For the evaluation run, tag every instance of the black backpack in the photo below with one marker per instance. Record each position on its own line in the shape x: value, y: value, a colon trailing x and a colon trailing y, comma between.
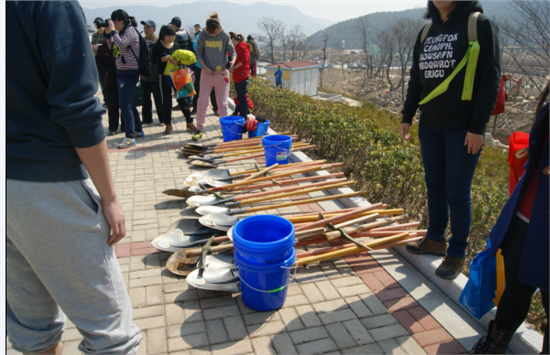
x: 144, y: 61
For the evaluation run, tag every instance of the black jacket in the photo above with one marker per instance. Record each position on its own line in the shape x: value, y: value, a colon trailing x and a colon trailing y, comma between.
x: 434, y: 60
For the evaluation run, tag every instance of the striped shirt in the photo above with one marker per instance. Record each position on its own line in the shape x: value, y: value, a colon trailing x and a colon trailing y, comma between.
x: 129, y: 38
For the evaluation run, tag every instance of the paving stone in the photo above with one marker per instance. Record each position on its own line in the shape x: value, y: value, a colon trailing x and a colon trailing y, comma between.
x: 149, y: 323
x: 424, y: 318
x: 242, y: 307
x: 410, y: 346
x: 391, y: 346
x: 147, y: 312
x: 400, y: 304
x: 374, y: 304
x: 69, y: 348
x: 145, y: 281
x: 358, y: 332
x: 271, y: 328
x: 317, y: 347
x: 176, y: 287
x: 283, y: 344
x: 291, y: 319
x: 386, y: 279
x: 216, y: 331
x: 71, y: 334
x: 312, y: 293
x: 328, y: 291
x: 307, y: 335
x: 365, y: 349
x: 449, y: 347
x: 346, y: 281
x: 311, y: 274
x: 379, y: 321
x: 261, y: 317
x: 407, y: 321
x: 354, y: 290
x: 358, y: 307
x: 293, y: 301
x: 206, y: 293
x: 217, y: 302
x: 174, y: 313
x: 144, y: 273
x: 156, y: 342
x: 262, y: 345
x: 372, y: 282
x: 233, y: 348
x: 181, y: 297
x: 337, y: 316
x: 388, y: 332
x: 235, y: 327
x: 184, y: 329
x: 136, y: 263
x: 340, y: 336
x: 330, y: 306
x: 391, y: 294
x: 330, y: 270
x: 154, y: 295
x: 187, y: 342
x: 294, y: 289
x: 432, y: 337
x: 308, y: 316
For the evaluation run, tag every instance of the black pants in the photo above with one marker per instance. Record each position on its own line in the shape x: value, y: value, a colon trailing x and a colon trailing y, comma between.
x: 166, y: 114
x: 148, y: 88
x: 515, y: 301
x: 242, y: 108
x: 113, y: 111
x: 197, y: 85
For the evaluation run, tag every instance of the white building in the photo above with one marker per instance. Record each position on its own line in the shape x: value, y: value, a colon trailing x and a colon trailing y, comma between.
x: 301, y: 76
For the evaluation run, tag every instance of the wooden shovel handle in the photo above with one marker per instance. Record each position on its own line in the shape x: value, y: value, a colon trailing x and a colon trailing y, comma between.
x: 261, y: 154
x: 259, y: 173
x: 284, y: 167
x: 302, y: 202
x: 350, y: 230
x: 286, y: 189
x: 215, y: 249
x: 351, y: 250
x: 260, y: 149
x: 242, y: 183
x: 311, y: 218
x: 293, y: 193
x: 290, y: 181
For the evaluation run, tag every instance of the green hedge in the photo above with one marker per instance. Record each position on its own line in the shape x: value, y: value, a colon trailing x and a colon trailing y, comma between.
x: 366, y: 140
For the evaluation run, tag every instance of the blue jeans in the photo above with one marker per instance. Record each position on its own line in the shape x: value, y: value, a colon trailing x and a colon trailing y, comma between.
x: 449, y: 171
x: 242, y: 107
x: 126, y: 81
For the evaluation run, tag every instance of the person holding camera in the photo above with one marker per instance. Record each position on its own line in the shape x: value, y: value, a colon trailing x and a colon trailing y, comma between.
x: 216, y: 66
x: 124, y: 35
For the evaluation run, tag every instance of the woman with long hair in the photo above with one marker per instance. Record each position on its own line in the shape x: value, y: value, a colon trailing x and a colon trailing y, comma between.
x: 452, y: 120
x: 124, y: 35
x: 215, y: 69
x: 240, y: 72
x: 162, y: 50
x: 521, y: 232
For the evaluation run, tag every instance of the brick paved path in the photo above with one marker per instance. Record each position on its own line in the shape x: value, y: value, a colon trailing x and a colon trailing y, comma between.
x: 342, y: 306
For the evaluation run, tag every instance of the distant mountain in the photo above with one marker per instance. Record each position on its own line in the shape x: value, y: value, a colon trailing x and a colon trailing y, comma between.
x: 233, y: 16
x: 346, y: 30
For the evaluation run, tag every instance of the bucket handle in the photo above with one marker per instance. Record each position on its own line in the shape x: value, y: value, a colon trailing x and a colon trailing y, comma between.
x: 280, y: 288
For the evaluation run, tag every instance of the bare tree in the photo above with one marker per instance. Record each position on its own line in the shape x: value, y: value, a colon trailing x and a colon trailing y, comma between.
x: 529, y: 45
x: 404, y: 31
x: 386, y: 42
x: 272, y: 31
x: 324, y: 39
x: 362, y: 28
x: 284, y: 42
x: 295, y: 37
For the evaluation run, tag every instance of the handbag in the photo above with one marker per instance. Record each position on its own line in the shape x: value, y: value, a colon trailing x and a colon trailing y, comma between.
x: 481, y: 294
x: 181, y: 79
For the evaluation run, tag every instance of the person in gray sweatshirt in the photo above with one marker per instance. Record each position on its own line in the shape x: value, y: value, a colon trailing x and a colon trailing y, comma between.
x: 216, y: 55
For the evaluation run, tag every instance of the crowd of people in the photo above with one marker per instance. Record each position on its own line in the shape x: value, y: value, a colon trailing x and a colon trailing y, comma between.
x: 61, y: 260
x: 219, y: 57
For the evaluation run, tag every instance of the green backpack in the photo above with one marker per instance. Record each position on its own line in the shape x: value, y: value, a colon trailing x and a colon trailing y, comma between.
x: 470, y: 58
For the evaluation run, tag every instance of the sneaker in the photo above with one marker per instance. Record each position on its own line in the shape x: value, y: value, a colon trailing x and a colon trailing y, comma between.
x: 139, y: 134
x: 427, y: 246
x: 217, y: 113
x: 112, y: 133
x: 127, y: 143
x: 450, y: 268
x: 197, y: 135
x: 191, y: 127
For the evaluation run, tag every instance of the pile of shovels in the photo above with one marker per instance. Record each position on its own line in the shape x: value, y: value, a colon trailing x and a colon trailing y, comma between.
x: 202, y: 247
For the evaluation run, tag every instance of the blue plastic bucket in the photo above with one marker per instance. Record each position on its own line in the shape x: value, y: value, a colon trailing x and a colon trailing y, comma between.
x: 277, y: 149
x: 261, y: 130
x: 263, y: 239
x: 264, y: 287
x: 232, y: 127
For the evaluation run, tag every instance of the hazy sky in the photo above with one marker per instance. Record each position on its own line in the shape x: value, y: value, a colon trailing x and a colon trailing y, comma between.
x: 332, y: 10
